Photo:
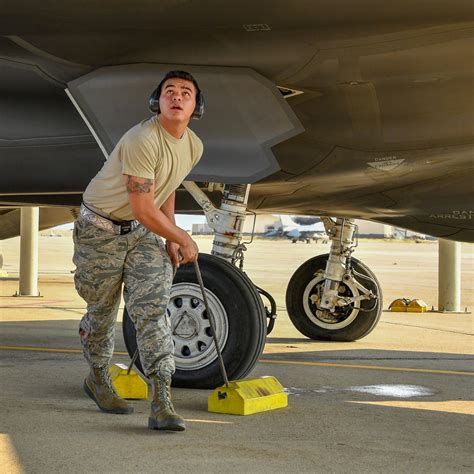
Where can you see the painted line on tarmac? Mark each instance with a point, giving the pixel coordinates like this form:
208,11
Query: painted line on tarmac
461,407
370,367
217,422
263,361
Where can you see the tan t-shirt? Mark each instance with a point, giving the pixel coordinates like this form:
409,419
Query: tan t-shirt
147,151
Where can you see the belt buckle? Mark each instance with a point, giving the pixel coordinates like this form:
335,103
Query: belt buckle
125,228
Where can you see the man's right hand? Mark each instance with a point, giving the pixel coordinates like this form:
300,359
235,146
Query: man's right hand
189,251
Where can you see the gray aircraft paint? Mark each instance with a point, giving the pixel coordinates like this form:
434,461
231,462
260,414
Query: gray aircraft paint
245,115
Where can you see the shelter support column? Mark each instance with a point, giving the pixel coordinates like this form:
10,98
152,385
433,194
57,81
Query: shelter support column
449,276
29,230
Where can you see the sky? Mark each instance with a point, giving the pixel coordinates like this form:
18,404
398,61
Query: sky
186,221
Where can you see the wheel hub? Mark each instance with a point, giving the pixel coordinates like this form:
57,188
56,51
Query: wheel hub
191,329
338,319
186,327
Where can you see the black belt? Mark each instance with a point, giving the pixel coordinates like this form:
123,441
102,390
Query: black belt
109,225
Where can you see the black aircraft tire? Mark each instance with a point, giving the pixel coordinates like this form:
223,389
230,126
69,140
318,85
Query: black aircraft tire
242,311
356,326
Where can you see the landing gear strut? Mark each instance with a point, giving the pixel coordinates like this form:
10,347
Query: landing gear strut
335,296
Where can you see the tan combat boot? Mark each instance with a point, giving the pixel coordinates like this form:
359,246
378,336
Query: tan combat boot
163,416
98,386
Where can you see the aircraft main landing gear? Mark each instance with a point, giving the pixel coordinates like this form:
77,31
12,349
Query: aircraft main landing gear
335,297
238,315
236,303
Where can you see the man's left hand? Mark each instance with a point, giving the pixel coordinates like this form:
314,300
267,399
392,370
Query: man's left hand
173,251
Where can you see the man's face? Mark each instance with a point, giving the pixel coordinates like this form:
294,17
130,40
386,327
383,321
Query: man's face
178,100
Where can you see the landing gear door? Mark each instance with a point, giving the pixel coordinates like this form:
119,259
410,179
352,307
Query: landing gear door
245,115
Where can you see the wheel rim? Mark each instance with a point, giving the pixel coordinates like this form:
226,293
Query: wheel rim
326,319
191,330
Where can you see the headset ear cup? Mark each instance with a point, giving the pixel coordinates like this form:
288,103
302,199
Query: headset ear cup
199,109
154,101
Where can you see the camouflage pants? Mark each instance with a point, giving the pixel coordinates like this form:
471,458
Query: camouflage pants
138,260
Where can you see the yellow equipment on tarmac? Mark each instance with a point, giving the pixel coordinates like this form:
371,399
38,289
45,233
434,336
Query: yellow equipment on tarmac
405,305
245,397
127,383
399,305
417,306
241,397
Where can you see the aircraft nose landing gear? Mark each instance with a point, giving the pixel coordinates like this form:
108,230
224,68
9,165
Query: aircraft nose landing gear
335,297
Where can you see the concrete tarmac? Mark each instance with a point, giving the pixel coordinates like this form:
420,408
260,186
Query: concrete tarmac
399,400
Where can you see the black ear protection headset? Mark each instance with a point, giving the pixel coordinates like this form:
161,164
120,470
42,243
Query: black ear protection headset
154,101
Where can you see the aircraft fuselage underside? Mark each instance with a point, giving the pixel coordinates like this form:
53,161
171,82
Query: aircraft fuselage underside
382,129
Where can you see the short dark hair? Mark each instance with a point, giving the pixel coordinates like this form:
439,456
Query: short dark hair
179,75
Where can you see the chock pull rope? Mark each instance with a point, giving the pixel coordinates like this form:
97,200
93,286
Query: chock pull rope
134,358
211,322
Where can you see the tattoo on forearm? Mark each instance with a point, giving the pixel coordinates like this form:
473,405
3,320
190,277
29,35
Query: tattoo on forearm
138,185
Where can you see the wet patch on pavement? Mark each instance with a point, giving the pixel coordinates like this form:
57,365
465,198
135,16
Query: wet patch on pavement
380,390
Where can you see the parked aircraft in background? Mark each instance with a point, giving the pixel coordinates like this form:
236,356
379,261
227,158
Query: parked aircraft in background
300,228
336,109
